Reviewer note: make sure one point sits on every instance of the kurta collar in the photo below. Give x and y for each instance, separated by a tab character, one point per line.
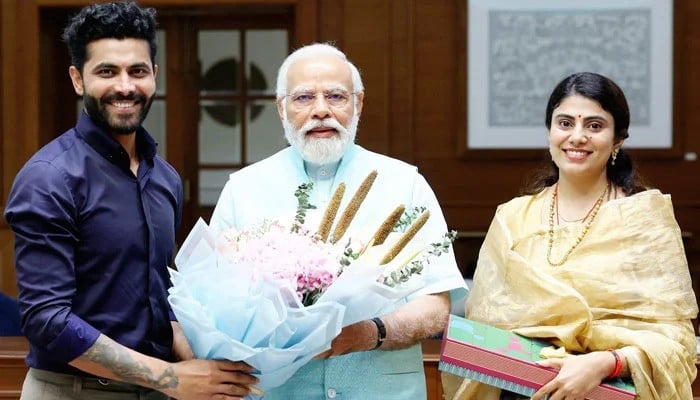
321	172
313	171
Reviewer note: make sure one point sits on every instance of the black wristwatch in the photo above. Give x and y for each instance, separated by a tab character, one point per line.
381	331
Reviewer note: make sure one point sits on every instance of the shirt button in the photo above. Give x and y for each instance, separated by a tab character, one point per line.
331	393
323	172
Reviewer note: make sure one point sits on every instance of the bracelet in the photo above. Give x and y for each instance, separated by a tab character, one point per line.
618	365
381	331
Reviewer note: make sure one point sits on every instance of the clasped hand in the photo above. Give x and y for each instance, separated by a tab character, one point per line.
211	379
578	375
360	336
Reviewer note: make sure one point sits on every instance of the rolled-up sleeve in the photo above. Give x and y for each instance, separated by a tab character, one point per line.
42	213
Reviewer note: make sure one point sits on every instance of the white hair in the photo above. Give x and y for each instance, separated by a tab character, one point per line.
315	50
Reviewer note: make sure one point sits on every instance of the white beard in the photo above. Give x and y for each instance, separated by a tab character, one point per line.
321	150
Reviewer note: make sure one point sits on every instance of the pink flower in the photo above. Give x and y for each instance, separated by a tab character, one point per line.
295	258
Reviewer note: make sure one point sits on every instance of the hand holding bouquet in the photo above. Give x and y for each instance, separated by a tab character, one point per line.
275	295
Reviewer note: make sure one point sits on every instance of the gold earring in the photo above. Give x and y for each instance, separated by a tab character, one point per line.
614	156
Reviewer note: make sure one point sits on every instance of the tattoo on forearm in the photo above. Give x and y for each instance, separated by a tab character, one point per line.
117	360
167	380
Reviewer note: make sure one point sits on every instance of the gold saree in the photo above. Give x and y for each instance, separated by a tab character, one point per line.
625	286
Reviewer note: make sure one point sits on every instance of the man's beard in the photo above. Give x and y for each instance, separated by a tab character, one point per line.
119	124
321	150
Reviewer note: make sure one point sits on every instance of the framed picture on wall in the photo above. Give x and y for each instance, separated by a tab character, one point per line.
517	51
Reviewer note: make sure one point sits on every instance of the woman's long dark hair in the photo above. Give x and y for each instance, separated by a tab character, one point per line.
610	97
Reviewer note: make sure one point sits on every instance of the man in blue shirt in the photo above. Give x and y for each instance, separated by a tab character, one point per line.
94	214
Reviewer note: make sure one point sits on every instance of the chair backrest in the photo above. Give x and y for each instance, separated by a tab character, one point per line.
9	316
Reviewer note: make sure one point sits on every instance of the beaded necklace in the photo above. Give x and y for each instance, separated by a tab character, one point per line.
582	219
593	213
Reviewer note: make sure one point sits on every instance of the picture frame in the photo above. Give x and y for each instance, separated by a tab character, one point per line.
517	51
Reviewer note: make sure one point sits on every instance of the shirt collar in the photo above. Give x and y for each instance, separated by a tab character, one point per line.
109	148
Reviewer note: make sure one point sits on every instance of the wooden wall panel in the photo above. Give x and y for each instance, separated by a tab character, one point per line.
380	43
402	78
8	284
681	177
367	43
21	84
2	87
20	115
7	26
331	22
435	81
8	111
411	54
690	45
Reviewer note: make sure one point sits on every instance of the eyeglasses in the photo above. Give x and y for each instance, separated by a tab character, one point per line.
334	98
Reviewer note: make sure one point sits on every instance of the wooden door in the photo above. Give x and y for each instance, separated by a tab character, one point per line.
223	115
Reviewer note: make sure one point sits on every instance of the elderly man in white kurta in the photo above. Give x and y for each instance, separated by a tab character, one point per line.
319	98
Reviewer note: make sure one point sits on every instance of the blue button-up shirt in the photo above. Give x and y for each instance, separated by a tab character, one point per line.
92	246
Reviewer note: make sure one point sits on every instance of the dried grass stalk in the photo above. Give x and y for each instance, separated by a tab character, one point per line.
324	227
405	238
255	390
387	226
352	207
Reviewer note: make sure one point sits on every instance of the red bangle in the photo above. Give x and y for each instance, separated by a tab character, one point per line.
618	365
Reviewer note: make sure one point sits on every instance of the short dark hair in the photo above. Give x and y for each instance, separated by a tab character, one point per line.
117	20
608	94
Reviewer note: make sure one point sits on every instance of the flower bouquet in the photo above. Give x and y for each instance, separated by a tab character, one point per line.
275	295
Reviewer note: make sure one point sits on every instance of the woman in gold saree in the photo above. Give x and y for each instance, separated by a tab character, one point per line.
589	259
